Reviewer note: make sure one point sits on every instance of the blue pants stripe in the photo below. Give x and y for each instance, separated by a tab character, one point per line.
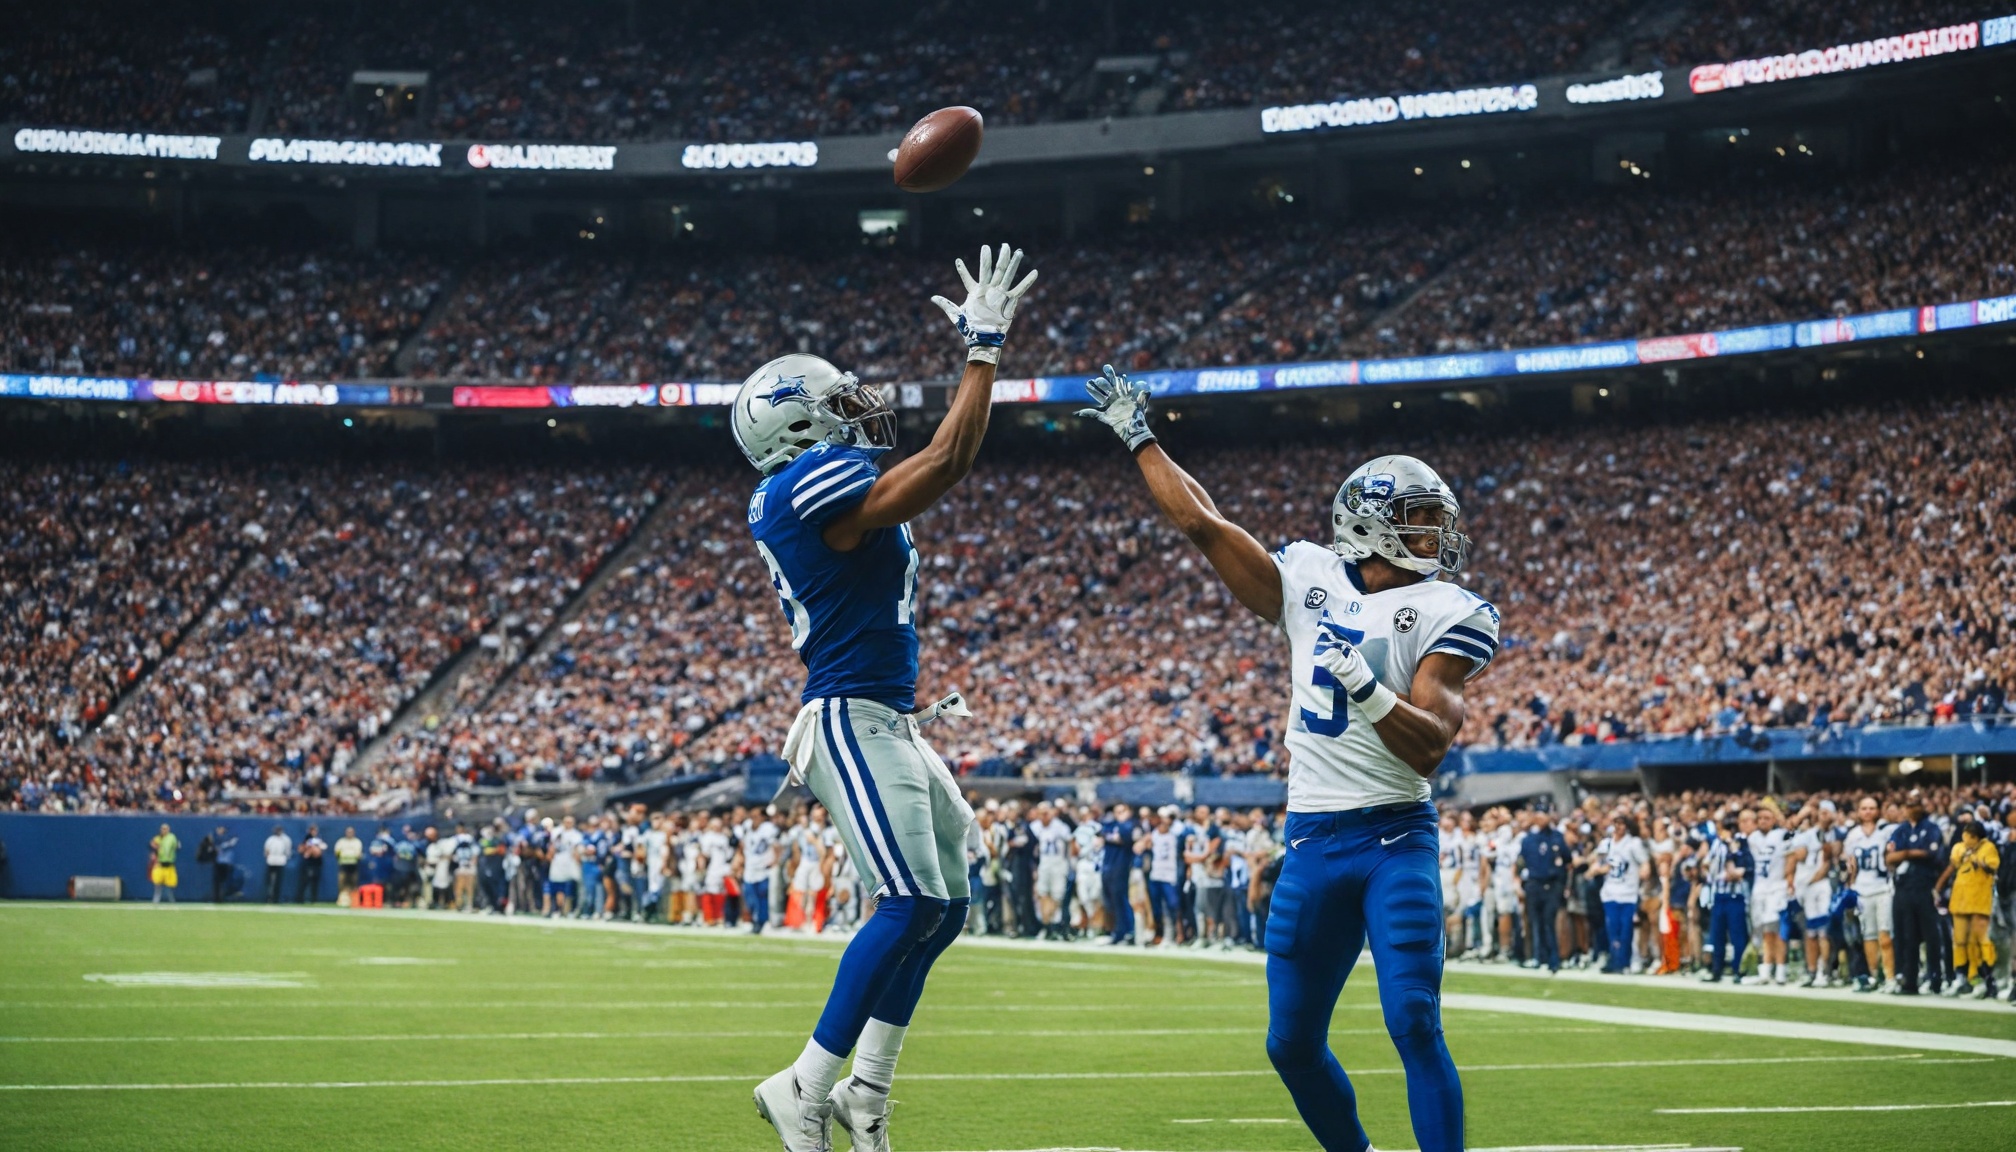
847	779
875	801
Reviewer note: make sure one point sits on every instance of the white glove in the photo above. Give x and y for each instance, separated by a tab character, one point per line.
1121	405
990	303
1340	657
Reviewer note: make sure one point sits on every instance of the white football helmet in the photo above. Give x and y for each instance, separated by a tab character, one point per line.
797	401
1371	516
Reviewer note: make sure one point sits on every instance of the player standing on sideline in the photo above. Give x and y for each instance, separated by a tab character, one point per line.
1359	616
1053	871
1863	852
833	528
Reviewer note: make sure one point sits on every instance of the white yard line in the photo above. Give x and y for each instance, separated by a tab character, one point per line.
1837	1108
1184	1074
1739	1025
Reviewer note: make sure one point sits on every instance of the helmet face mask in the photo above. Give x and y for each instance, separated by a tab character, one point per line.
1398	509
797	402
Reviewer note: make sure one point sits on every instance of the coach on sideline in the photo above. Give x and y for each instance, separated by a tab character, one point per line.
1913	858
1543	859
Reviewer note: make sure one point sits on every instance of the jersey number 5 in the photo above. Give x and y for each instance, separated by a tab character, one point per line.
1340	700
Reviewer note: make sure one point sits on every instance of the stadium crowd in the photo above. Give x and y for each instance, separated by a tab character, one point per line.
222	313
1660	581
520	72
1631	262
356	586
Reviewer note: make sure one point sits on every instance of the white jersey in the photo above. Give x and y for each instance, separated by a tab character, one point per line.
1872	875
1469	857
1338	762
1504	848
1627	860
1090	845
1768	850
1163	862
720	855
566	864
759	853
1812	866
1053	841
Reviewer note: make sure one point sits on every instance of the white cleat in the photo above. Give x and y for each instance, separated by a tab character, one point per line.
805	1125
862	1113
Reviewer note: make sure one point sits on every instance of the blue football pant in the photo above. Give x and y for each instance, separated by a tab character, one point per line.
1617	919
1350	878
1728	922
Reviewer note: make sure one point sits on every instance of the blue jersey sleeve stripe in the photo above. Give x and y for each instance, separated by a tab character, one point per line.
802	494
815	473
838	497
1480	637
1461	647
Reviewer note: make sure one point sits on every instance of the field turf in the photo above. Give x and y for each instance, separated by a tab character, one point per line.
340	1030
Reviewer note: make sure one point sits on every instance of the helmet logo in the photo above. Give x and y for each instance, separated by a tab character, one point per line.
1315	598
1379	486
788	388
1405	619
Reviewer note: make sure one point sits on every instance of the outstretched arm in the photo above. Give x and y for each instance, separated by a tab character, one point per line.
1245	567
914	485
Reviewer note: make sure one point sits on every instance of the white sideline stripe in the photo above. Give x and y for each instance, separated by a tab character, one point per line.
1187	1074
1740	1025
1690	984
1839	1108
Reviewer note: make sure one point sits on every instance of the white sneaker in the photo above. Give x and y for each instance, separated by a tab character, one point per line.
863	1114
805	1125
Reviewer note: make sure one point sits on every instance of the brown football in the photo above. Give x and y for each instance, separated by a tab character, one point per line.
938	149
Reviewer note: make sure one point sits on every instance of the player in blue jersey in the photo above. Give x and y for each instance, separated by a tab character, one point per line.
833	527
1380	648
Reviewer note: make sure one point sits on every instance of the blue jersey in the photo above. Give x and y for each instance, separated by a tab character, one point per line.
853	614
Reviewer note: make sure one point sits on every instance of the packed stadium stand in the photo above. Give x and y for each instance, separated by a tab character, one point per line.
498	72
1509	273
1703	576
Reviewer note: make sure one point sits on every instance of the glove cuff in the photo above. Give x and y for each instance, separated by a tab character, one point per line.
983	354
1138	440
1382	700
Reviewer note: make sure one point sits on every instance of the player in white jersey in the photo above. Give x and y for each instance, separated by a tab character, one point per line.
657	844
1365	620
1768	899
1621	859
1088	899
1466	928
1806	864
1053	868
1501	857
1862	853
717	854
759	860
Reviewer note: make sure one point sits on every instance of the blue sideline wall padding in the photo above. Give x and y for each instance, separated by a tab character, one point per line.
45	851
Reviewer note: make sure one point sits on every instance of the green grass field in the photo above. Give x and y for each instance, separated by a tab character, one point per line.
371	1030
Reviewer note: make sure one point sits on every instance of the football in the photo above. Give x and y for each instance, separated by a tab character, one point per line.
938	149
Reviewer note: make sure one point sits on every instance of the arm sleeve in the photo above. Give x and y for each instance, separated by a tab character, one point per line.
1473	635
839	479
